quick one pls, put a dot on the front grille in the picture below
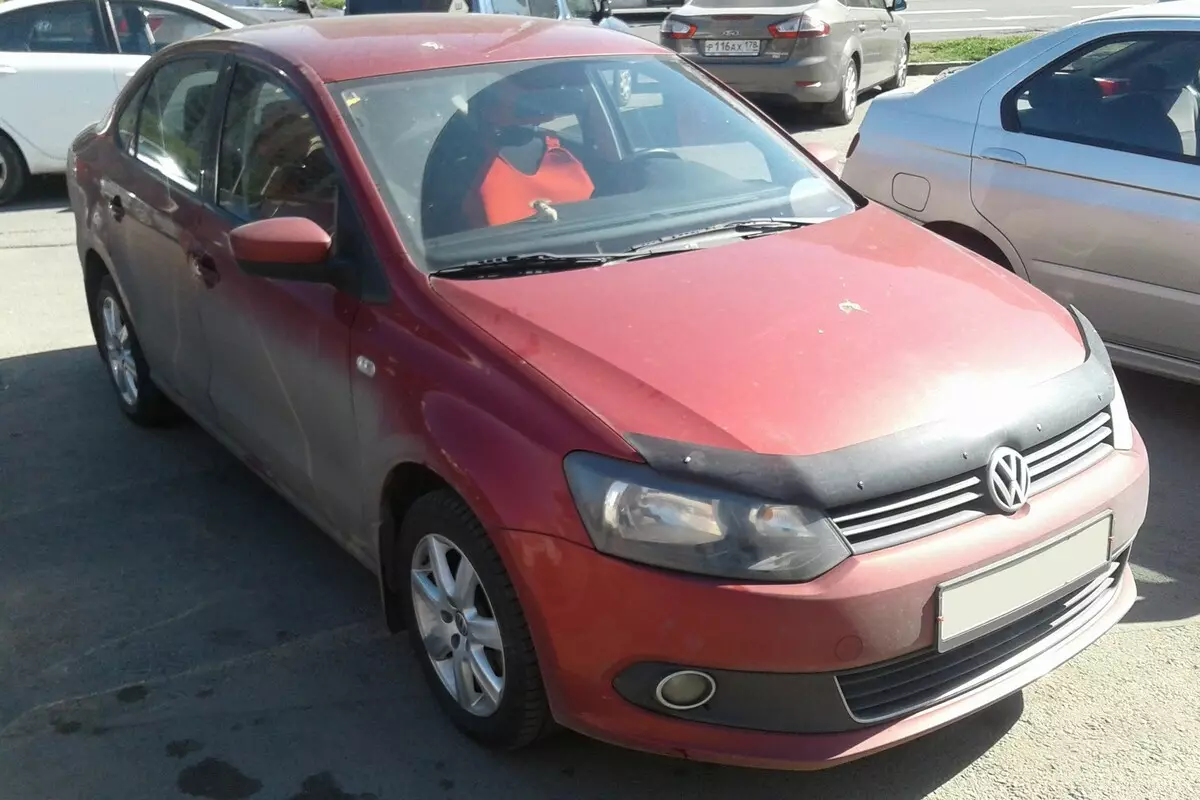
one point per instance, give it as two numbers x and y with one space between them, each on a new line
904 516
924 679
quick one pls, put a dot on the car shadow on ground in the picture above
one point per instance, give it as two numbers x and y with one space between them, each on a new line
802 119
41 192
169 619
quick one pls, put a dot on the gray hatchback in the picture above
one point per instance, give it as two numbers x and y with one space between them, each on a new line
825 52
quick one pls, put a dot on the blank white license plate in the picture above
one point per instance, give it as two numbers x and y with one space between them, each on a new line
732 47
975 604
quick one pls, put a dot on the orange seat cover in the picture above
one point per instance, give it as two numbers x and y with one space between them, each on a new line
506 194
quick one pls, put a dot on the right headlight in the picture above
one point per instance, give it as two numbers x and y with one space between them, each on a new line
1121 425
633 512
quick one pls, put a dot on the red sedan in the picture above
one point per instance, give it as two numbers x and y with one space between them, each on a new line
648 425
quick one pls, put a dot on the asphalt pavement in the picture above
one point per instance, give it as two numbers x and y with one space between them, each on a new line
170 628
932 20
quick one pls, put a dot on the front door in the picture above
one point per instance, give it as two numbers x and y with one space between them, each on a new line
1085 167
59 51
280 350
865 23
152 203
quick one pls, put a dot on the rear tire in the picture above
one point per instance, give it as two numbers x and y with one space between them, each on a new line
439 531
13 172
841 110
901 76
137 395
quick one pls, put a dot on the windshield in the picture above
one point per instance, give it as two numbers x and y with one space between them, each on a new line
571 156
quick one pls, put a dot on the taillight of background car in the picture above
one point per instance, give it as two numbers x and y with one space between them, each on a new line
674 29
805 26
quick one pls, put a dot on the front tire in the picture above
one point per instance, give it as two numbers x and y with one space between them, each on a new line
841 110
467 628
137 396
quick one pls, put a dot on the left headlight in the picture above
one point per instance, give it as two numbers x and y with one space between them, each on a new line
633 512
1121 424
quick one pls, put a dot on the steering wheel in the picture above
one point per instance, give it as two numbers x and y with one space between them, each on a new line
656 152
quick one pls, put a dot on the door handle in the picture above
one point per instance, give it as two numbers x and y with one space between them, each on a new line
1004 155
862 26
118 208
205 269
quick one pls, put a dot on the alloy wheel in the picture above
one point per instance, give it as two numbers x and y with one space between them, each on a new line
902 67
118 348
850 90
457 625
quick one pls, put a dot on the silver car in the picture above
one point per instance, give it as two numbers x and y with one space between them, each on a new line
823 53
1070 159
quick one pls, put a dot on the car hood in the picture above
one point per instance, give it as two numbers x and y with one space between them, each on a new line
794 343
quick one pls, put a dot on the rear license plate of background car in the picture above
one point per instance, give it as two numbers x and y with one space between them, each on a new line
732 47
970 606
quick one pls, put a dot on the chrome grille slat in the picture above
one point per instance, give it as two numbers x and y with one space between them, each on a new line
925 510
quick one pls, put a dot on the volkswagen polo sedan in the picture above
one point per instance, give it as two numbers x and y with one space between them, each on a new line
648 426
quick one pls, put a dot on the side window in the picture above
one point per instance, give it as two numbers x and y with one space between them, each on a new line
53 28
146 28
879 4
1138 94
127 122
580 8
527 8
272 159
171 128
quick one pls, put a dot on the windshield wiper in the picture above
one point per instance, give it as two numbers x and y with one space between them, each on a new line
529 264
757 226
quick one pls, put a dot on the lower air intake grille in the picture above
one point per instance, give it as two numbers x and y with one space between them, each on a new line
908 684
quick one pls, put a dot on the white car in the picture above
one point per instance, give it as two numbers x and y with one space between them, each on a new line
62 63
1073 160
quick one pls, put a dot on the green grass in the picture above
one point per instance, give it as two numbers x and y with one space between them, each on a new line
975 48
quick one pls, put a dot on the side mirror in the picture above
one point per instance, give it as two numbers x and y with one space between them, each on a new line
285 248
829 156
897 5
603 10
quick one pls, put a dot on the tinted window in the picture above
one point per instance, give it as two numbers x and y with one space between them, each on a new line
272 157
580 8
53 28
472 160
146 28
1138 94
172 129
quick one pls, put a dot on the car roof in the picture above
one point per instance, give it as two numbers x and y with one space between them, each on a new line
1162 9
348 48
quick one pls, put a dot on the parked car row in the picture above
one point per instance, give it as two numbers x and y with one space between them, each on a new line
609 388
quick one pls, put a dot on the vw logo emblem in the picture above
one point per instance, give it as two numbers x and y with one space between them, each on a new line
1008 480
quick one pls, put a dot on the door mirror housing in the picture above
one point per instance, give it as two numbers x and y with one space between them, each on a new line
603 10
284 248
897 5
829 156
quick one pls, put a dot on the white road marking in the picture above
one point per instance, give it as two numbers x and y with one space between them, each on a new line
947 11
1028 16
970 30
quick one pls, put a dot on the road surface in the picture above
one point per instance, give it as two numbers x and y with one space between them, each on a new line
170 628
951 19
931 20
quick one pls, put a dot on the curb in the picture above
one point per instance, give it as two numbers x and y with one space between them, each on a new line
934 67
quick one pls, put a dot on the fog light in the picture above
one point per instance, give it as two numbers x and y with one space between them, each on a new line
682 691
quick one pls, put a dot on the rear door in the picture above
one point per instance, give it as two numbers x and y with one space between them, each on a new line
152 196
1085 166
866 23
57 50
891 38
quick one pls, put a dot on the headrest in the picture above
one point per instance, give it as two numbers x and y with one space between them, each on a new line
1065 93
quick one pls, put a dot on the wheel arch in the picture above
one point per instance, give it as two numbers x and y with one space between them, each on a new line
973 239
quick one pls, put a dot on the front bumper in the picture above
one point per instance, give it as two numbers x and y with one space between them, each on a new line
789 655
